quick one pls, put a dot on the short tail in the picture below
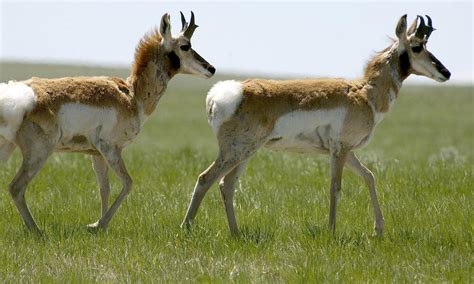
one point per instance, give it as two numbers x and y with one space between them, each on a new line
16 99
222 101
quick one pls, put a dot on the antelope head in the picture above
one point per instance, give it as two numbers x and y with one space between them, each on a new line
413 41
178 49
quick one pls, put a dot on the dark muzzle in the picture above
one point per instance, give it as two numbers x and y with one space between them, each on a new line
204 63
439 66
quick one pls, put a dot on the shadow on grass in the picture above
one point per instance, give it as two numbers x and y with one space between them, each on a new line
71 231
193 233
38 236
315 231
343 239
259 236
354 240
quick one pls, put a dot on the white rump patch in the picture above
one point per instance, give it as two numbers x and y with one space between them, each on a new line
81 119
16 99
222 101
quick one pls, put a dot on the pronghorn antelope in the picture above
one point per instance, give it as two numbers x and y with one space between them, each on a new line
328 116
93 115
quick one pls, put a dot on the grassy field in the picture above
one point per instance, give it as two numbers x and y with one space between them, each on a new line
422 155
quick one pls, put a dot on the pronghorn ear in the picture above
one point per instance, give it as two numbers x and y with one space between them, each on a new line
412 28
165 27
401 30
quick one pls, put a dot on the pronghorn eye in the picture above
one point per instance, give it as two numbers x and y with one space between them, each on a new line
417 49
185 47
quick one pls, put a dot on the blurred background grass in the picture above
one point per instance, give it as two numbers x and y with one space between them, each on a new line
424 120
421 154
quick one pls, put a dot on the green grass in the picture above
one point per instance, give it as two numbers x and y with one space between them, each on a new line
422 155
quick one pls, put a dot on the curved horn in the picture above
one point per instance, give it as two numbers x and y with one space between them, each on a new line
430 22
190 29
420 31
184 25
430 25
424 30
422 21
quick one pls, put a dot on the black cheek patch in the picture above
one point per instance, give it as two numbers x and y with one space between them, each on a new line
417 49
404 64
174 60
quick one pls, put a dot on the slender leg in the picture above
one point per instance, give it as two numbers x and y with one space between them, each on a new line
32 163
358 168
216 171
227 187
113 156
101 171
238 141
338 157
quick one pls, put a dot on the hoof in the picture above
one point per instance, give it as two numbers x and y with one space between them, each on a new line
379 231
186 225
96 226
37 232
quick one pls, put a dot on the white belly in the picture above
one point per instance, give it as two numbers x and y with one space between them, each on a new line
82 124
307 131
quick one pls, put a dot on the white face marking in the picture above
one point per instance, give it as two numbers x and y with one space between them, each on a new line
16 99
191 65
427 69
222 101
80 119
189 60
308 130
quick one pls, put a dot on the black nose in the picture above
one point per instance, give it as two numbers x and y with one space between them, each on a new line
211 69
445 72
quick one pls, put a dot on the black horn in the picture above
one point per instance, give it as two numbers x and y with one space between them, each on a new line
423 29
184 25
430 24
191 27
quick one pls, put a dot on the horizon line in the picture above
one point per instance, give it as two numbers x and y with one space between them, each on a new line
225 72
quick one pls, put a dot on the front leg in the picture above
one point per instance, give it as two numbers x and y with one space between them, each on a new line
102 173
358 168
338 156
113 156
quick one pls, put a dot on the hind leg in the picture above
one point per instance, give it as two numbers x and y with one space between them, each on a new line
239 138
30 167
227 188
35 149
206 179
230 157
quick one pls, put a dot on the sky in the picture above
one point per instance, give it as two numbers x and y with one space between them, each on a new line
306 39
